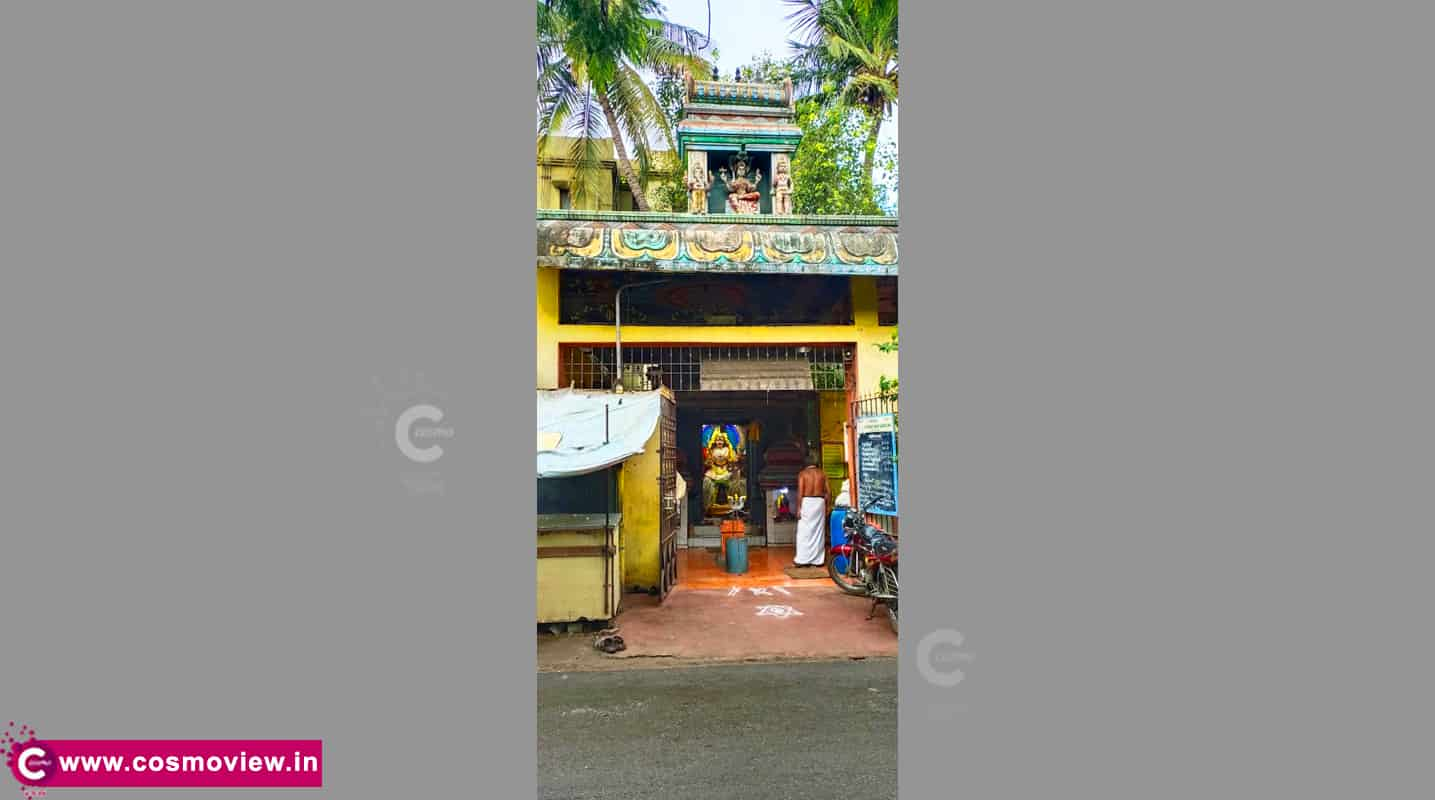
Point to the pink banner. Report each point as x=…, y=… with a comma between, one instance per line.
x=159, y=763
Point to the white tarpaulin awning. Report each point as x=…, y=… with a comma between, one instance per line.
x=756, y=375
x=571, y=429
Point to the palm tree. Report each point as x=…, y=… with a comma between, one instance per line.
x=589, y=56
x=847, y=51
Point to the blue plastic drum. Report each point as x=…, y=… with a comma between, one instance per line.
x=737, y=555
x=839, y=536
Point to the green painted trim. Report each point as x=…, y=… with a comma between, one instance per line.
x=739, y=102
x=738, y=136
x=770, y=145
x=754, y=144
x=668, y=217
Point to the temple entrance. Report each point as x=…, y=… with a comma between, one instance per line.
x=746, y=417
x=740, y=452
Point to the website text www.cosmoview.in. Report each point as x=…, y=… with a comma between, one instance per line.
x=166, y=763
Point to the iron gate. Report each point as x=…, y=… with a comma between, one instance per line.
x=668, y=497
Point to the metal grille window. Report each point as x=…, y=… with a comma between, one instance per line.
x=680, y=366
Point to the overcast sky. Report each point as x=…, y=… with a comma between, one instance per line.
x=741, y=29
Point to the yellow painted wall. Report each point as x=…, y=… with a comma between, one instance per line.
x=548, y=333
x=641, y=506
x=870, y=365
x=832, y=414
x=551, y=176
x=554, y=170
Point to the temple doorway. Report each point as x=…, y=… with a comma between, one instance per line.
x=752, y=410
x=740, y=451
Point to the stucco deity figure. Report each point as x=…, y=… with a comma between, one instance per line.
x=781, y=189
x=699, y=182
x=742, y=194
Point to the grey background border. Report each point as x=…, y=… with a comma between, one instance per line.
x=1167, y=354
x=1166, y=342
x=235, y=235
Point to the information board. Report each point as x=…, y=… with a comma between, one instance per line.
x=877, y=463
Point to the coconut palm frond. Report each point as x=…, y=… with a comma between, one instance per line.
x=603, y=44
x=846, y=52
x=645, y=106
x=639, y=113
x=665, y=55
x=570, y=108
x=805, y=17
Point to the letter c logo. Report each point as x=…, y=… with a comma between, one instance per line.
x=22, y=763
x=927, y=663
x=403, y=434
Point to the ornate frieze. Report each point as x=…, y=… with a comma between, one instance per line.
x=717, y=243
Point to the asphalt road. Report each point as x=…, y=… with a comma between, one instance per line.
x=778, y=731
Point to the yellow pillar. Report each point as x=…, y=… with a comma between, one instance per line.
x=547, y=291
x=871, y=362
x=641, y=506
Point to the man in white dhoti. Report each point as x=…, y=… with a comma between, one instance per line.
x=813, y=491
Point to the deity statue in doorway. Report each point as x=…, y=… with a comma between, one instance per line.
x=742, y=194
x=722, y=476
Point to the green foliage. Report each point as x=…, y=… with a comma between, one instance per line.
x=847, y=53
x=828, y=172
x=589, y=56
x=670, y=195
x=671, y=93
x=847, y=49
x=828, y=169
x=765, y=68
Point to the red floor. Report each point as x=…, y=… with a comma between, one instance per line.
x=743, y=623
x=698, y=569
x=761, y=614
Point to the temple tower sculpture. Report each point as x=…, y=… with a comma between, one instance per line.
x=736, y=140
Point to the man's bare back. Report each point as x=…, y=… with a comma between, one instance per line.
x=812, y=482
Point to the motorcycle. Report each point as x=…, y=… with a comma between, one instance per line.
x=870, y=568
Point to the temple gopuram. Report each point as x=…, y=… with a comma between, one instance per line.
x=760, y=326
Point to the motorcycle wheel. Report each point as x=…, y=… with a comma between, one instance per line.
x=892, y=615
x=849, y=584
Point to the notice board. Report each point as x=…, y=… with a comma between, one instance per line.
x=877, y=463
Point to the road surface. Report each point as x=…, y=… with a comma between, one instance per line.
x=787, y=731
